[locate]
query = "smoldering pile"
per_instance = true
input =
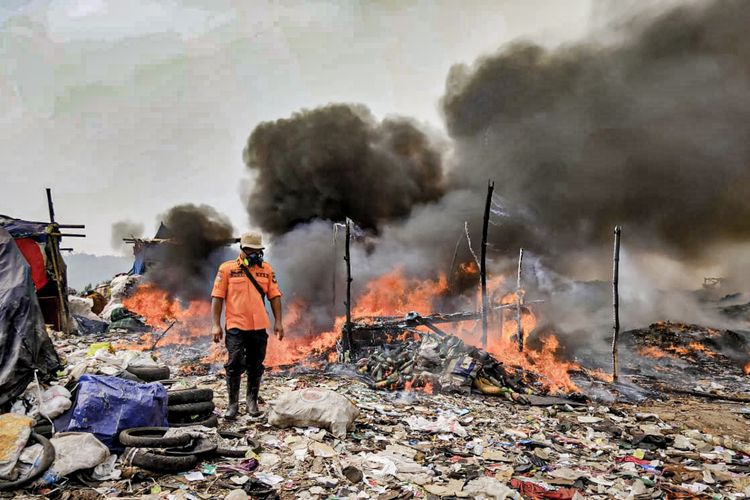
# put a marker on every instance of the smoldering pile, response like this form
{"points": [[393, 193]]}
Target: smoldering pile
{"points": [[427, 362], [667, 352]]}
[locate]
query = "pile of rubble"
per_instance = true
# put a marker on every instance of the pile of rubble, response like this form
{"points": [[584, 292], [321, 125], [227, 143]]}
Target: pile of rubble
{"points": [[434, 361], [415, 445], [716, 360]]}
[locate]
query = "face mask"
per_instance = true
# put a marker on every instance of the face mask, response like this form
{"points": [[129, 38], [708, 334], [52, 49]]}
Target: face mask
{"points": [[254, 259]]}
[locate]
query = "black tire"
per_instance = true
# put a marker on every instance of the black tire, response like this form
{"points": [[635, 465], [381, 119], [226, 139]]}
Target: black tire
{"points": [[180, 412], [198, 450], [48, 456], [151, 437], [212, 421], [150, 373], [126, 375], [253, 445], [44, 429], [160, 463], [185, 396]]}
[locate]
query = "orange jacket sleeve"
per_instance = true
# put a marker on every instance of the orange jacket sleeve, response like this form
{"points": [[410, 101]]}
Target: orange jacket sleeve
{"points": [[220, 284], [273, 287]]}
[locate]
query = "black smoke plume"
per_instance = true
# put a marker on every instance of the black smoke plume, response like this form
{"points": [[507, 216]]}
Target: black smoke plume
{"points": [[125, 229], [652, 133], [187, 263], [338, 161]]}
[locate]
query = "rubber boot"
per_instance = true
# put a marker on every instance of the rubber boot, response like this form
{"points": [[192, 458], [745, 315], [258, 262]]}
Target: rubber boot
{"points": [[253, 386], [233, 388]]}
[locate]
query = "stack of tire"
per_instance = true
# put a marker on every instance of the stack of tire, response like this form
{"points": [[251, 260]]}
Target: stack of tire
{"points": [[148, 449], [191, 407], [157, 373]]}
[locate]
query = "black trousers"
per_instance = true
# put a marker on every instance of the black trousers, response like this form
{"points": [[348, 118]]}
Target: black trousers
{"points": [[247, 350]]}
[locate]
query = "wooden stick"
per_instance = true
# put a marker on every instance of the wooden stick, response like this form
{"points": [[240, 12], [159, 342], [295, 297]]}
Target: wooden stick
{"points": [[519, 300], [616, 303], [483, 262], [50, 205], [347, 258]]}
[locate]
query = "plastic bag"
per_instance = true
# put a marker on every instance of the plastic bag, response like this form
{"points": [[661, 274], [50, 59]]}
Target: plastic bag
{"points": [[104, 406], [314, 407], [14, 433], [74, 451], [55, 401]]}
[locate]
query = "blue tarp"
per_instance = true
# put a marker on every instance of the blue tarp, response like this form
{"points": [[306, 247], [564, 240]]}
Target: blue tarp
{"points": [[104, 406], [24, 229]]}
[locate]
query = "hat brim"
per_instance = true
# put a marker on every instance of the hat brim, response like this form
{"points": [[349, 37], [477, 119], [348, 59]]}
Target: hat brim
{"points": [[253, 247]]}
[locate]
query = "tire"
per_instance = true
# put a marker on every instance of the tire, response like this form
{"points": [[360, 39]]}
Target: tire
{"points": [[185, 396], [151, 437], [160, 463], [253, 445], [48, 456], [198, 451], [180, 412], [150, 373], [212, 421], [44, 429], [126, 375]]}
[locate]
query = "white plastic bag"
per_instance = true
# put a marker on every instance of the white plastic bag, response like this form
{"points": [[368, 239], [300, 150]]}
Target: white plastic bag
{"points": [[74, 451], [81, 306], [313, 407], [55, 401]]}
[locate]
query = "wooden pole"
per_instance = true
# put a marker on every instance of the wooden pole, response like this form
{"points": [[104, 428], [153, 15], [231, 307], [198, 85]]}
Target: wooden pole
{"points": [[347, 258], [50, 206], [53, 235], [519, 301], [483, 262], [616, 303], [333, 274]]}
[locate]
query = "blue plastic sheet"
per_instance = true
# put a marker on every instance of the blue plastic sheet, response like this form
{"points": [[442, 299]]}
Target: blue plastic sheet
{"points": [[104, 406]]}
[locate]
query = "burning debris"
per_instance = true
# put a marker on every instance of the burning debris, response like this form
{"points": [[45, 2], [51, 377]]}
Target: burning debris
{"points": [[665, 353]]}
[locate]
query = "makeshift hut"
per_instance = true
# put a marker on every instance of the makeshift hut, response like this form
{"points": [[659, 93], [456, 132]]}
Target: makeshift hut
{"points": [[25, 347], [39, 243], [147, 252]]}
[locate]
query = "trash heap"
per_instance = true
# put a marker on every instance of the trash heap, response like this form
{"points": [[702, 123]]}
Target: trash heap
{"points": [[435, 362]]}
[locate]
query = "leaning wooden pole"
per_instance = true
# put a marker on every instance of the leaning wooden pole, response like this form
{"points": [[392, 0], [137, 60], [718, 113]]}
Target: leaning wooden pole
{"points": [[519, 301], [348, 327], [53, 234], [616, 303], [483, 262]]}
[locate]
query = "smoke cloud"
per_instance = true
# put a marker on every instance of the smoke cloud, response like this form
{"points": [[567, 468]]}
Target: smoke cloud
{"points": [[125, 229], [338, 161], [187, 264], [651, 133]]}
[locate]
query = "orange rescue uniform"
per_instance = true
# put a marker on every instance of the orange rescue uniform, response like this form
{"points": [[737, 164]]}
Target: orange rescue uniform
{"points": [[244, 306]]}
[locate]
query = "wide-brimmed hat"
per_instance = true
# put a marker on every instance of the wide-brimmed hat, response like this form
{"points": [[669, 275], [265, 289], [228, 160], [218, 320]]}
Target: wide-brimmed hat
{"points": [[252, 240]]}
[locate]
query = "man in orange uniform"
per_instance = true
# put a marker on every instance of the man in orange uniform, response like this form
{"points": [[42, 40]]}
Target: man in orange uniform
{"points": [[244, 284]]}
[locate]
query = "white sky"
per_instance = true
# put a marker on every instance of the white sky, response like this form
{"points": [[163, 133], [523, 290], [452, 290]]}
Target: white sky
{"points": [[129, 107]]}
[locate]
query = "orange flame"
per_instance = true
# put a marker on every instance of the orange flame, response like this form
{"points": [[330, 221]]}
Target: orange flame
{"points": [[746, 369], [654, 352], [391, 294]]}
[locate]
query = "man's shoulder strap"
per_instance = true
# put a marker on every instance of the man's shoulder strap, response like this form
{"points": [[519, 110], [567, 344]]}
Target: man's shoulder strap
{"points": [[254, 282]]}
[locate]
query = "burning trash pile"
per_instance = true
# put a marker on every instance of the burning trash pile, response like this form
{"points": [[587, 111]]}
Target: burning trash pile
{"points": [[432, 361], [716, 359]]}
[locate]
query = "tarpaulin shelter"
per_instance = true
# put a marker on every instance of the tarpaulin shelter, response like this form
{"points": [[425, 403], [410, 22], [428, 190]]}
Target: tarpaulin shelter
{"points": [[147, 252], [39, 243], [25, 346]]}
